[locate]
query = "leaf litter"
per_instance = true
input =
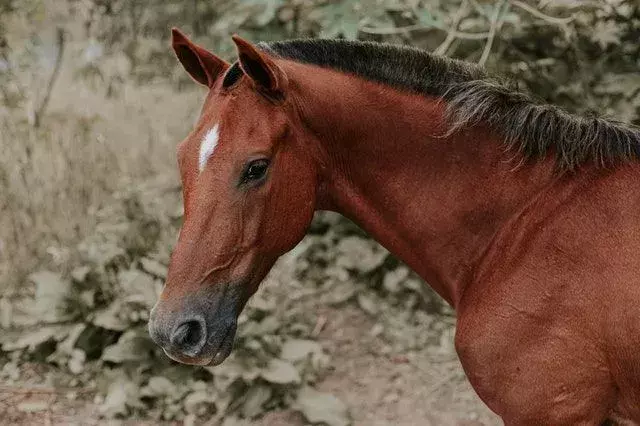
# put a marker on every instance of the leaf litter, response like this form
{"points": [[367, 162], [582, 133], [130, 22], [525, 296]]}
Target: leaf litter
{"points": [[97, 313]]}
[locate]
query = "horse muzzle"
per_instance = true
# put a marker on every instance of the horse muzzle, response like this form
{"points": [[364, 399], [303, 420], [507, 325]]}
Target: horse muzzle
{"points": [[199, 329]]}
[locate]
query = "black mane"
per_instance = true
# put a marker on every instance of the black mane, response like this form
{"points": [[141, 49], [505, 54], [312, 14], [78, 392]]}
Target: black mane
{"points": [[472, 96]]}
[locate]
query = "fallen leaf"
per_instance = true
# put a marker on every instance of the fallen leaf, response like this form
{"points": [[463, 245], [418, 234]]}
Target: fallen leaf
{"points": [[368, 303], [159, 386], [138, 287], [110, 318], [121, 395], [280, 372], [298, 349], [199, 403], [132, 346], [80, 273], [153, 267], [320, 407], [31, 339], [254, 400], [52, 296]]}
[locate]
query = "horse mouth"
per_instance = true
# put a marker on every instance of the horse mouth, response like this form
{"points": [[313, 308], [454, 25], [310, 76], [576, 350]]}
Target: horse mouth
{"points": [[226, 345]]}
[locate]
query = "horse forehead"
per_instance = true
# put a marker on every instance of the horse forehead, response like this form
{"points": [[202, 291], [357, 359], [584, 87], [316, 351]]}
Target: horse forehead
{"points": [[208, 144]]}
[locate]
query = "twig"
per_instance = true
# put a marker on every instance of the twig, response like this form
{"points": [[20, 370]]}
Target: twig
{"points": [[535, 12], [460, 13], [320, 323], [492, 32], [417, 27], [479, 9], [52, 79]]}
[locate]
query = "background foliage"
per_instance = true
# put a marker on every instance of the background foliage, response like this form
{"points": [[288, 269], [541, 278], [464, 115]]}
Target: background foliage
{"points": [[92, 106]]}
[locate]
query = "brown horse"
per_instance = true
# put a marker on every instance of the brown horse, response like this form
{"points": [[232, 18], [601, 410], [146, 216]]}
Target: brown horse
{"points": [[525, 218]]}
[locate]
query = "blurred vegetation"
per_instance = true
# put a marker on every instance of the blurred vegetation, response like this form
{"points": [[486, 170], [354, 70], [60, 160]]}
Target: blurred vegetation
{"points": [[567, 51], [92, 103]]}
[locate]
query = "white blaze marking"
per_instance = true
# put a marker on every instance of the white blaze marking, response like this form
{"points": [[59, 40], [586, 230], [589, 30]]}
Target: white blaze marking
{"points": [[207, 146]]}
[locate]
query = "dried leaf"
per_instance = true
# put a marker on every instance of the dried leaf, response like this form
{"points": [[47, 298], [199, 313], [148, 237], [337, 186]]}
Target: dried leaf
{"points": [[76, 362], [360, 254], [132, 346], [110, 318], [280, 372], [392, 280], [6, 311], [122, 394], [80, 273], [31, 340], [159, 386], [298, 349], [154, 267], [368, 303], [320, 407], [255, 399], [52, 296], [138, 287], [199, 403]]}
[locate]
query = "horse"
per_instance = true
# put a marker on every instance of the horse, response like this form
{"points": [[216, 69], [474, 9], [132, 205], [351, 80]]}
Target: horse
{"points": [[523, 217]]}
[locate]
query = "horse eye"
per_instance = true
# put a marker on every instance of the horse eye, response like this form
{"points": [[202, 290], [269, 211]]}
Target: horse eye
{"points": [[255, 170]]}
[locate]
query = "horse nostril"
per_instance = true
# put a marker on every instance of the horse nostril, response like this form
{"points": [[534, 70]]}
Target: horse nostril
{"points": [[189, 337]]}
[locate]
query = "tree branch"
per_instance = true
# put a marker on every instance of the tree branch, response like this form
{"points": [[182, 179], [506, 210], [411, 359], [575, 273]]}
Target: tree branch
{"points": [[52, 79]]}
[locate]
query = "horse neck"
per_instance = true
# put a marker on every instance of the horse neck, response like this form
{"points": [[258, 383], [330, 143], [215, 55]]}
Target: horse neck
{"points": [[434, 201]]}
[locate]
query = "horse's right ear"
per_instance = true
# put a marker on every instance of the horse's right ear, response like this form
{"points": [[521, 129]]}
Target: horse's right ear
{"points": [[202, 65]]}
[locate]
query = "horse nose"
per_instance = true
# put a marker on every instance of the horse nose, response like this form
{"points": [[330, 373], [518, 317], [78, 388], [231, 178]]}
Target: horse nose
{"points": [[189, 337]]}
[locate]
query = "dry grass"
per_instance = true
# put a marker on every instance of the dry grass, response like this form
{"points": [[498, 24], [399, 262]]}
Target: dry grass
{"points": [[53, 178]]}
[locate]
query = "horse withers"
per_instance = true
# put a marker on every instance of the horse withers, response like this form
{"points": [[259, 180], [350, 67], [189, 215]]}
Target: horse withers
{"points": [[524, 218]]}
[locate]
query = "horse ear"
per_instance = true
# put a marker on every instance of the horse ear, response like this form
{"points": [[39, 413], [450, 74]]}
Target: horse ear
{"points": [[259, 67], [202, 65]]}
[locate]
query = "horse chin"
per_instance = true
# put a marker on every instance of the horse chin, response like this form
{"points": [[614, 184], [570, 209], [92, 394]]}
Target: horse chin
{"points": [[219, 359], [188, 360]]}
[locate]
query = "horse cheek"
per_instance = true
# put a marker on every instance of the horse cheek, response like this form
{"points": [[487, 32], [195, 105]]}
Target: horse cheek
{"points": [[295, 207]]}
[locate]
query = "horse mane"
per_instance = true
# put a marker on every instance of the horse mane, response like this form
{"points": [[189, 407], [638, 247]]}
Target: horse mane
{"points": [[529, 126]]}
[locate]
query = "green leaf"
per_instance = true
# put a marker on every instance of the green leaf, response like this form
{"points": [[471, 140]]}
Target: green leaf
{"points": [[268, 12], [341, 19]]}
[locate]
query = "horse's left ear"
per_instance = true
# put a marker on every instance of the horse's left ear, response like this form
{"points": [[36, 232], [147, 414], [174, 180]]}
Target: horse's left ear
{"points": [[202, 65], [260, 68]]}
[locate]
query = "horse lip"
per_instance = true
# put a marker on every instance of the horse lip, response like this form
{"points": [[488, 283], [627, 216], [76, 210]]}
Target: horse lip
{"points": [[226, 345], [189, 361]]}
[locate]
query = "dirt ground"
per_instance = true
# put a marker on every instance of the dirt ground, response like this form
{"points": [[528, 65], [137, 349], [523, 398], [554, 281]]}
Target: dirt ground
{"points": [[426, 387]]}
